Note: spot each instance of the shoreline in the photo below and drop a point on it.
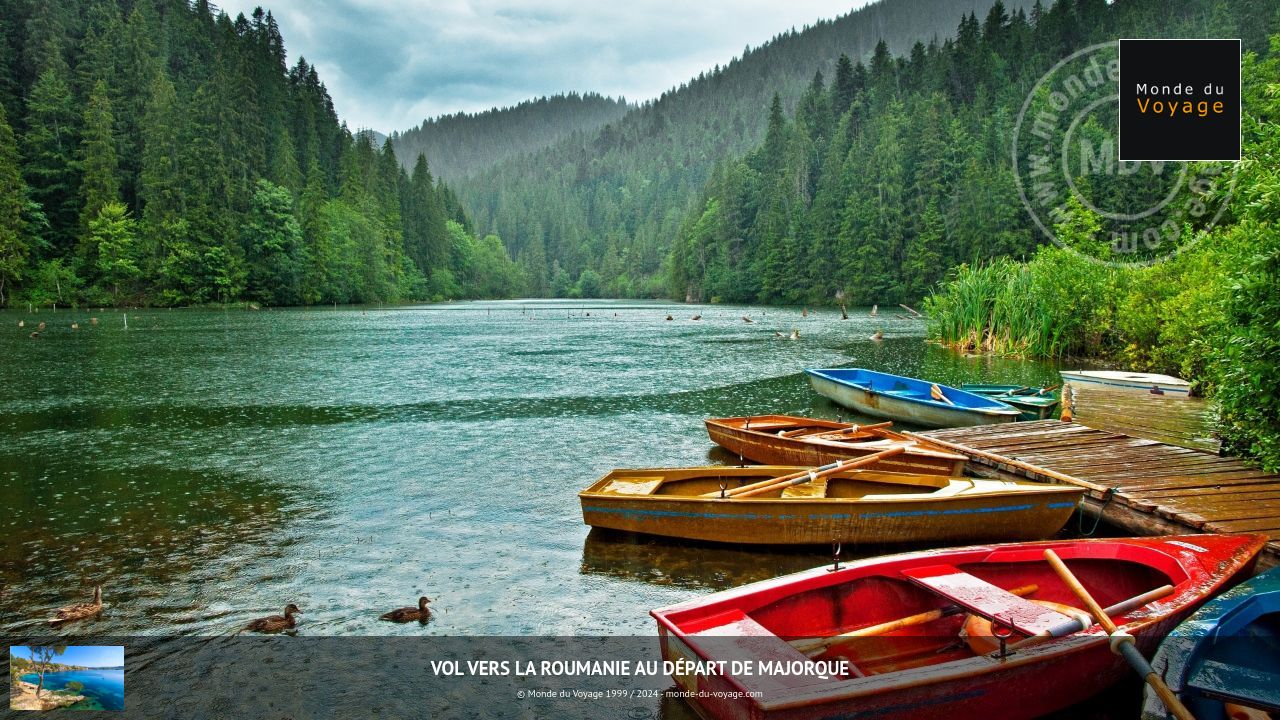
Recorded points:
(22, 696)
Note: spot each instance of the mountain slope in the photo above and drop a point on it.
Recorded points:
(463, 144)
(612, 200)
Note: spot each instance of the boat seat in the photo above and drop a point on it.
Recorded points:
(992, 602)
(1247, 686)
(637, 485)
(812, 489)
(735, 635)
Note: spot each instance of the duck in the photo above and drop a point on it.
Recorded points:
(747, 319)
(795, 334)
(35, 334)
(409, 614)
(669, 318)
(878, 336)
(79, 611)
(696, 317)
(276, 623)
(40, 326)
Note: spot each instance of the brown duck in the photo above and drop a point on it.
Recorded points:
(409, 614)
(276, 623)
(79, 611)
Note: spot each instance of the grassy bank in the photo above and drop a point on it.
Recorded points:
(1210, 314)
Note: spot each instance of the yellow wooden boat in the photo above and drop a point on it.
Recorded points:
(850, 506)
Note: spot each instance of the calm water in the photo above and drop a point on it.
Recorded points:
(103, 689)
(208, 467)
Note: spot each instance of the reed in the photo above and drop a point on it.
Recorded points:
(1053, 306)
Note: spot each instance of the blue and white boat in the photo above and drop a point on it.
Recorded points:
(907, 399)
(1224, 661)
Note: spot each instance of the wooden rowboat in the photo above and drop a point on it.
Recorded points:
(850, 506)
(900, 653)
(1034, 403)
(1136, 381)
(908, 399)
(1224, 661)
(791, 440)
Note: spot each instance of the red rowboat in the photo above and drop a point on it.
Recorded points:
(898, 618)
(792, 440)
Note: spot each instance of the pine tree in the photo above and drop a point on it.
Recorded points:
(100, 184)
(272, 240)
(49, 148)
(114, 237)
(13, 199)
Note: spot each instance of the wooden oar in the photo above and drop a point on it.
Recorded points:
(1121, 643)
(813, 645)
(806, 475)
(935, 392)
(1047, 390)
(859, 428)
(1084, 622)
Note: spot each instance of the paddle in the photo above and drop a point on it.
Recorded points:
(1047, 390)
(935, 392)
(806, 475)
(1121, 643)
(811, 646)
(1084, 622)
(877, 426)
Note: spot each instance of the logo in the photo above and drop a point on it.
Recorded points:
(1067, 167)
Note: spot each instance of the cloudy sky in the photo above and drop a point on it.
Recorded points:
(390, 65)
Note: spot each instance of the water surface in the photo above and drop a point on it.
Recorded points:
(103, 689)
(207, 467)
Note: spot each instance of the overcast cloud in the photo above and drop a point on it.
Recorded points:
(390, 65)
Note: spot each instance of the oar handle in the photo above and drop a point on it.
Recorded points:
(823, 471)
(1121, 643)
(1075, 625)
(1079, 591)
(859, 428)
(772, 481)
(810, 476)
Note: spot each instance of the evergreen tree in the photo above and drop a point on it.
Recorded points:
(100, 185)
(49, 149)
(13, 199)
(113, 235)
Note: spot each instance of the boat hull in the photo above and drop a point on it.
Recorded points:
(1228, 651)
(772, 449)
(1029, 513)
(1032, 407)
(882, 405)
(740, 624)
(1136, 382)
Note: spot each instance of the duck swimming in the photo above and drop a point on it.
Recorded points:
(276, 623)
(79, 611)
(409, 614)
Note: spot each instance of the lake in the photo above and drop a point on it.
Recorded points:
(103, 689)
(208, 467)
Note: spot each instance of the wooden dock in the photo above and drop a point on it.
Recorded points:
(1140, 484)
(1182, 421)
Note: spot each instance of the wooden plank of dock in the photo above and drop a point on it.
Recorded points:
(1177, 420)
(1140, 484)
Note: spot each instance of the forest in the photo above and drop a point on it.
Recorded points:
(160, 153)
(613, 201)
(463, 144)
(899, 169)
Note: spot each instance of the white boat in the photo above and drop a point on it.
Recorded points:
(1121, 380)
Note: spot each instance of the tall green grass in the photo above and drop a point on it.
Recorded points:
(1056, 305)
